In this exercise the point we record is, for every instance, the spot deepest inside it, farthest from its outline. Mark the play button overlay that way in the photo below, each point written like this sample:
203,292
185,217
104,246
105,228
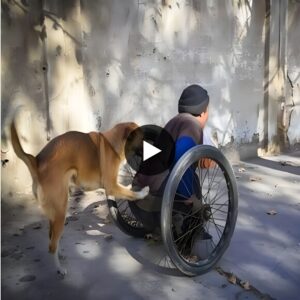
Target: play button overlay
149,150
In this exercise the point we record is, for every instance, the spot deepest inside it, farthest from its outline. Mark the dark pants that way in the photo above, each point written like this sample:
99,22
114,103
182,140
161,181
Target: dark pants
188,186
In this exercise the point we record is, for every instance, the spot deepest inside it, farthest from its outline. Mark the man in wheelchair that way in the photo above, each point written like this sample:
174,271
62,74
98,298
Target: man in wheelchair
186,129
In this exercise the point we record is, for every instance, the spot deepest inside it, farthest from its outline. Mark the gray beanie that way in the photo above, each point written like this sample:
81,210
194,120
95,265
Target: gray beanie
194,100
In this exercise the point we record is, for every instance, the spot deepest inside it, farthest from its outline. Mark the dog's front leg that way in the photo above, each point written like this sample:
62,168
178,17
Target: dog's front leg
123,192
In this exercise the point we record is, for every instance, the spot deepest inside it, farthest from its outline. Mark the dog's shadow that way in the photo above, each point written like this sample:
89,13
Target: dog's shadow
88,241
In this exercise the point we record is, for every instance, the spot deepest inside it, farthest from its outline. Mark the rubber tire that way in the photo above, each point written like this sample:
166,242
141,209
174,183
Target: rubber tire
179,169
122,224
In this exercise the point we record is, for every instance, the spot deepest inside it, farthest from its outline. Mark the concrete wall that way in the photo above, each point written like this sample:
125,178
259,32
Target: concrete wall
86,65
293,70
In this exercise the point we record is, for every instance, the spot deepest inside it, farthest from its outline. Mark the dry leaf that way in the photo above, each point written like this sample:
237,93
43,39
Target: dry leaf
289,163
272,212
108,237
241,170
232,279
255,178
245,285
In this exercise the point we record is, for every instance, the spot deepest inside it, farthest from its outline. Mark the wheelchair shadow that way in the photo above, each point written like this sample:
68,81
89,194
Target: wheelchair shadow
153,256
149,253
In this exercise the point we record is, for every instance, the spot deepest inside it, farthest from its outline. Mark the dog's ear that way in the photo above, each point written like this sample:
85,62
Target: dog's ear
128,129
126,132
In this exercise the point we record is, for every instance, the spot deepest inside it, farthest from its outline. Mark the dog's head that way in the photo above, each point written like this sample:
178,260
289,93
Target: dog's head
128,128
124,135
133,136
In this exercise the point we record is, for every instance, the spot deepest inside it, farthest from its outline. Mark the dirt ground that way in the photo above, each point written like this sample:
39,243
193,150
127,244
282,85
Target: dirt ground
262,262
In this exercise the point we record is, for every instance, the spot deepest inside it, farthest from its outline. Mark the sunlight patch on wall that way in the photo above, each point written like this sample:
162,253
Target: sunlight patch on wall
170,24
114,76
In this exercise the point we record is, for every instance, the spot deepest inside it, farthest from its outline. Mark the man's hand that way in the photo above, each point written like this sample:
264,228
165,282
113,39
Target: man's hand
207,163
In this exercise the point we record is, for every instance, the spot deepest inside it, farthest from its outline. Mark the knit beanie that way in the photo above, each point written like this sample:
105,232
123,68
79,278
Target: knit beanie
194,100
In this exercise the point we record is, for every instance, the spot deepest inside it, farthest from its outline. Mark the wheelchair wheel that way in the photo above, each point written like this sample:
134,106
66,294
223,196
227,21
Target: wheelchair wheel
121,210
198,217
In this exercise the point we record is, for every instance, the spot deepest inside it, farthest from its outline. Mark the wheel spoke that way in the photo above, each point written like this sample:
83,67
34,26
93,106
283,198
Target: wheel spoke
189,231
219,210
187,189
180,195
213,176
217,184
219,232
218,219
202,180
218,225
216,198
219,206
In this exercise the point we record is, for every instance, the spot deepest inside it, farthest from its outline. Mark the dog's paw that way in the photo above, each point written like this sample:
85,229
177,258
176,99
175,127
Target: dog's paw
144,192
62,272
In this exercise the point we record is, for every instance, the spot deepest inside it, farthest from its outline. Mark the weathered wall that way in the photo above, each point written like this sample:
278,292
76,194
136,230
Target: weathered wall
293,71
86,65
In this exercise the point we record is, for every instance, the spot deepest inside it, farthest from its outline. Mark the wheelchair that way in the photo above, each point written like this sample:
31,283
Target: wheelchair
196,229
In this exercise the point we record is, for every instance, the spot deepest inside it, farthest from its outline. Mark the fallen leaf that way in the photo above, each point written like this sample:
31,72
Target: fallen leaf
37,226
255,178
27,278
108,237
245,285
72,218
232,279
241,170
289,163
193,258
272,212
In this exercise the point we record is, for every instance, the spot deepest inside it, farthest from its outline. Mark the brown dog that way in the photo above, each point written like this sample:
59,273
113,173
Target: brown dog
89,160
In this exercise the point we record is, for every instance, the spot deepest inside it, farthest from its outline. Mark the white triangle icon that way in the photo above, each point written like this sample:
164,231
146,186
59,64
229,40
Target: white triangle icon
149,150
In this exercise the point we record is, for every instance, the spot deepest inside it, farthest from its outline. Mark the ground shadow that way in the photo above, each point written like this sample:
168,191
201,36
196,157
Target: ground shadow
288,165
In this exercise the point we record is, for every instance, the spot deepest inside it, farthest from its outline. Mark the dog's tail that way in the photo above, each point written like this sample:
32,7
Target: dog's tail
28,159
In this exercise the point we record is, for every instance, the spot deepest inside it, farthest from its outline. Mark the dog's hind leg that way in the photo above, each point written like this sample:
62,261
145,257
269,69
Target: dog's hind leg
56,232
57,221
50,228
